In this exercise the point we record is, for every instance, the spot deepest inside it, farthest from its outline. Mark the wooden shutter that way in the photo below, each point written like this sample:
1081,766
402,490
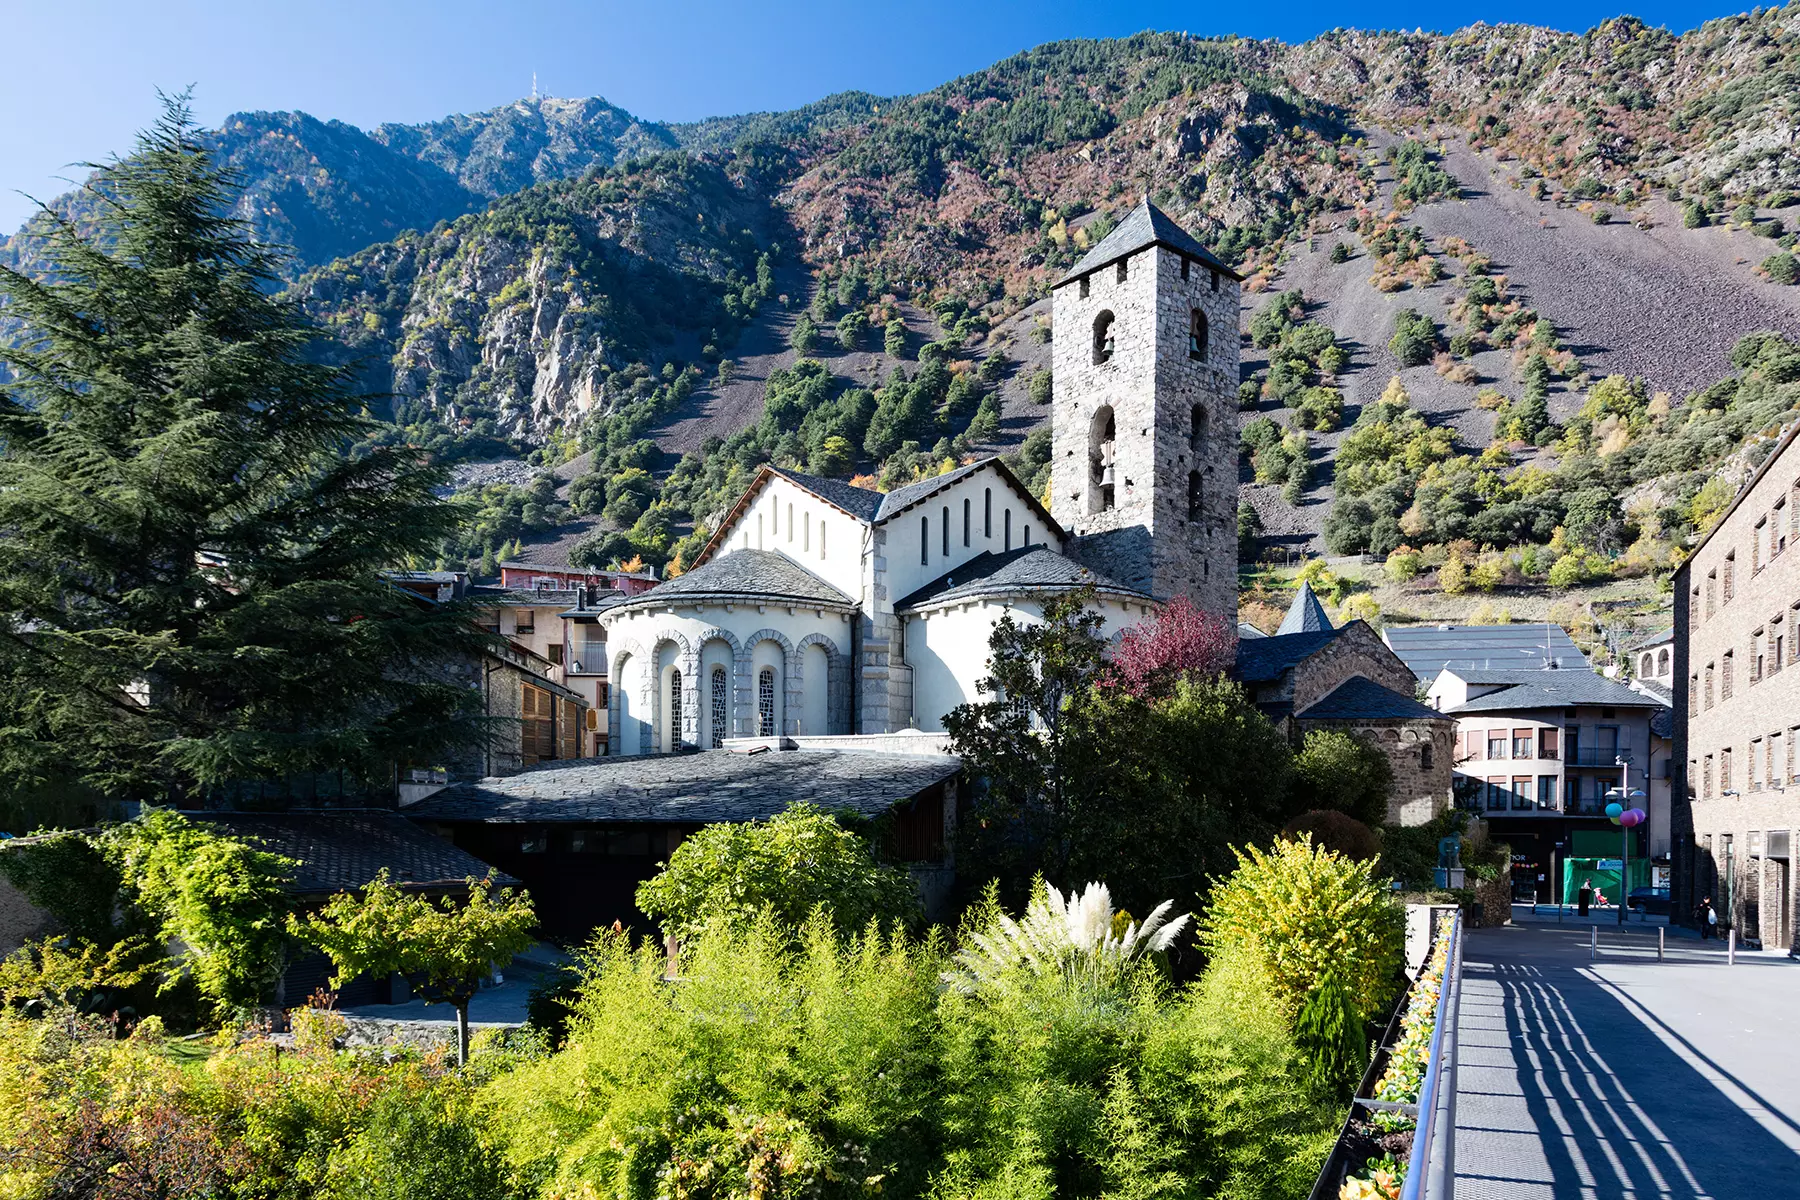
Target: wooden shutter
569,730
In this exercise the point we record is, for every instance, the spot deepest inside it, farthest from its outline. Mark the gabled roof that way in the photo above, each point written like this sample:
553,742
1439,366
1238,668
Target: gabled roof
1552,689
692,789
1428,649
1305,614
1363,699
343,849
860,503
874,507
1247,630
1027,569
1145,225
764,576
1260,660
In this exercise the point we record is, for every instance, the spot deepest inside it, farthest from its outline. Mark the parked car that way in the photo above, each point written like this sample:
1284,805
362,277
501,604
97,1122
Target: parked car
1650,900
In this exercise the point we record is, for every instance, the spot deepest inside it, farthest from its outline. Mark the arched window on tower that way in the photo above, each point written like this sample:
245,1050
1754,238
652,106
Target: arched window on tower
1197,336
1197,428
1103,337
1196,496
675,710
720,715
1100,461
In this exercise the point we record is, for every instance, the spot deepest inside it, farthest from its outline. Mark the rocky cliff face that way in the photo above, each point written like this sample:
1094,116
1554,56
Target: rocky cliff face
528,313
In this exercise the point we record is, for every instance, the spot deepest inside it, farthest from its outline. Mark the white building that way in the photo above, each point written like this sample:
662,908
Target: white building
822,608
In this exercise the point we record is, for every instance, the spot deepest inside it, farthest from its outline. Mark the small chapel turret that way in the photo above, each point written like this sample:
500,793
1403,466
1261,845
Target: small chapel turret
1143,422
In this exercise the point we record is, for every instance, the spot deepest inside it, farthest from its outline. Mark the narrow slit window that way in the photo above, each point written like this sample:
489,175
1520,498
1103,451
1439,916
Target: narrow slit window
1006,522
1197,335
924,540
987,513
945,532
719,712
966,508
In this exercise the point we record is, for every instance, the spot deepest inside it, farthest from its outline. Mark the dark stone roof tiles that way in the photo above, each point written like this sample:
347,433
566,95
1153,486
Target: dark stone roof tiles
860,503
1261,660
1557,689
1359,699
1145,225
692,789
763,574
343,849
1428,649
1305,614
1027,569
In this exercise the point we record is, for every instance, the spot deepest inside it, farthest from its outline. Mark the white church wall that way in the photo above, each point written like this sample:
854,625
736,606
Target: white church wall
906,573
792,521
743,639
948,649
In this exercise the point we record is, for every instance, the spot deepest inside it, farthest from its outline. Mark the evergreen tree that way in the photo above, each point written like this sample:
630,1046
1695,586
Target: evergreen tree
191,577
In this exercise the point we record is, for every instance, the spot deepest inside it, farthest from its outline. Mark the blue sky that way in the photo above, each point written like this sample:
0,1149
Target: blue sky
78,78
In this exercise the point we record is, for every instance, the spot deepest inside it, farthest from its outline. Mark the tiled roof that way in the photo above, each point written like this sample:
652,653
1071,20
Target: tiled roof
903,498
485,595
1556,689
1260,660
1363,699
860,503
1027,569
343,849
764,575
1428,649
1247,630
1146,225
1305,614
692,789
1661,637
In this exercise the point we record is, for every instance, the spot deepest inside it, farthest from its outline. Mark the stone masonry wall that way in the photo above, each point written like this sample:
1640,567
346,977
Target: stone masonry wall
1358,650
1421,778
1146,540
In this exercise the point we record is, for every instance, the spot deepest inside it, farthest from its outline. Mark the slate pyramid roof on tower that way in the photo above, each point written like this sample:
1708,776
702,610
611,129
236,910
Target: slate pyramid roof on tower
1146,225
1305,614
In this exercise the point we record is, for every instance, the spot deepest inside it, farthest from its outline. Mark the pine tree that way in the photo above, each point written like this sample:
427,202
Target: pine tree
191,573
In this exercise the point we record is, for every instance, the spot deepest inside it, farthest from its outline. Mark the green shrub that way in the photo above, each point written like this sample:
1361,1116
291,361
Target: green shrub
1042,386
1340,253
852,327
1415,338
1693,215
894,341
1341,771
805,337
1329,1036
1782,268
793,863
1306,913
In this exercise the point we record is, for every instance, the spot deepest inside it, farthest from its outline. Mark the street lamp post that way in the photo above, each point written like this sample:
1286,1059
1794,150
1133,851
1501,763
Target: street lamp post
1627,818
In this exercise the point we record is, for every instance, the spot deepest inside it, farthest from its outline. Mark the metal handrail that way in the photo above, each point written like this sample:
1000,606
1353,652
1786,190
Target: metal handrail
1427,1130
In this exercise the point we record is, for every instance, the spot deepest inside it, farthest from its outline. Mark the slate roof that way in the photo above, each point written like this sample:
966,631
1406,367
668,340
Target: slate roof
1358,699
1260,660
903,498
860,503
1305,614
762,575
343,849
1554,689
692,789
1247,630
1146,225
1026,569
485,597
1428,649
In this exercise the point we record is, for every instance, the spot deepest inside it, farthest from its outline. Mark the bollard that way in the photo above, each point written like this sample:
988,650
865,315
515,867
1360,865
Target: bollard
1593,943
1660,931
1731,948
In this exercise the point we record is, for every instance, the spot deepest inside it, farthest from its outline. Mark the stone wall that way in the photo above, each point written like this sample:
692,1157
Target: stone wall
1419,753
1357,650
1171,415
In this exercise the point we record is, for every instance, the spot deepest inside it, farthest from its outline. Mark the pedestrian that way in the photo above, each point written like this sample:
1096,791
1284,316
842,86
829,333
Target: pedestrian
1709,920
1585,896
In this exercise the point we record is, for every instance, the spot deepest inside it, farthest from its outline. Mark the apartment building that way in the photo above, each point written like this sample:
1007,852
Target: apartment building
1737,697
1537,753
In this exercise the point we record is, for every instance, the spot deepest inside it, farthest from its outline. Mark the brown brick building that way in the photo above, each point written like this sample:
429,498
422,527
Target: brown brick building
1737,701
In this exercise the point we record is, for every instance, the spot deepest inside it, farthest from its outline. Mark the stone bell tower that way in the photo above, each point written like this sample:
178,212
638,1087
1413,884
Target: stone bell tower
1144,419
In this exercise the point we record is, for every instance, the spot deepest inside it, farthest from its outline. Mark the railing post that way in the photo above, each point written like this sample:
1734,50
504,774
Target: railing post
1593,942
1731,947
1661,930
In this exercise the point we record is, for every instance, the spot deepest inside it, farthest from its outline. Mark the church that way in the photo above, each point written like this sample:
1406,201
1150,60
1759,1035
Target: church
819,608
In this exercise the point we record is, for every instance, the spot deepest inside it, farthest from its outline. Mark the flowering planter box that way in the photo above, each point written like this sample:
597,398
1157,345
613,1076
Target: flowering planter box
1381,1137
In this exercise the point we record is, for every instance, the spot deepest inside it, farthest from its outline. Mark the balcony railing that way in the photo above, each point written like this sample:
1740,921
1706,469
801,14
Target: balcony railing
1597,756
589,664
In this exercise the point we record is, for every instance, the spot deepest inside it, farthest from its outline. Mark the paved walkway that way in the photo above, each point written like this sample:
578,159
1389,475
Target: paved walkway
1624,1076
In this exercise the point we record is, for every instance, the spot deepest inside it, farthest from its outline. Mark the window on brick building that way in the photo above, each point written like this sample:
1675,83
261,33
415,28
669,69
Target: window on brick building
1752,781
1694,691
1756,657
1725,769
1710,669
1756,544
1425,756
1712,593
720,717
1727,585
1496,745
1706,776
1725,674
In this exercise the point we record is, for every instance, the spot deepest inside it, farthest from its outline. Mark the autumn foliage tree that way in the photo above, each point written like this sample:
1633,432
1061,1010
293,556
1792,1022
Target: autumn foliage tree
1179,640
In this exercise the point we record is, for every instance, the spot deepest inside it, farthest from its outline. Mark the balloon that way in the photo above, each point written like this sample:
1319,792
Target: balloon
1613,810
1629,818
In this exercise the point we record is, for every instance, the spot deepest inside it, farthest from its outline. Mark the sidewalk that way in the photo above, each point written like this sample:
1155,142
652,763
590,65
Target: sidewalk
1624,1076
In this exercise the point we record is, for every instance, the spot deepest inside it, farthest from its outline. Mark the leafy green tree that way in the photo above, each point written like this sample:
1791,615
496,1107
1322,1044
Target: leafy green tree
1341,771
852,327
895,339
791,865
805,338
449,945
191,581
1415,338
